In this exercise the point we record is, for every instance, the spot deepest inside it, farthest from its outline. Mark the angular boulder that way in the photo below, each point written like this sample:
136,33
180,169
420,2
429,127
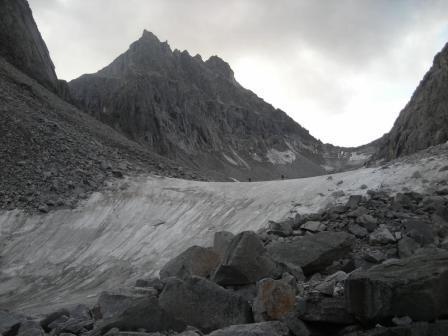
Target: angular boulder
30,328
196,260
416,287
273,328
314,252
245,262
9,322
203,304
113,303
275,299
322,309
146,314
283,229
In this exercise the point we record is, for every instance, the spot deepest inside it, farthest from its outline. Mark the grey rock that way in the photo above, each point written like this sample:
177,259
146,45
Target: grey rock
314,252
30,328
143,314
221,242
203,304
323,309
381,236
374,256
396,288
245,262
357,230
421,231
353,201
274,328
313,226
407,247
155,283
195,260
295,325
113,303
282,229
368,222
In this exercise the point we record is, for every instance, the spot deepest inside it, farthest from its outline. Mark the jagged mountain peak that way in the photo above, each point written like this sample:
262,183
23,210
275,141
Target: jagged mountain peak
218,65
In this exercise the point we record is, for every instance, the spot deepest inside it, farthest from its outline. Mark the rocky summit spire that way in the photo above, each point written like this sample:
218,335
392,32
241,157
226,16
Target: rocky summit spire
219,66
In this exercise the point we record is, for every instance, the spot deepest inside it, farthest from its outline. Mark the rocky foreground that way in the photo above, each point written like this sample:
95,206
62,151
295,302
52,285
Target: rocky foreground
377,265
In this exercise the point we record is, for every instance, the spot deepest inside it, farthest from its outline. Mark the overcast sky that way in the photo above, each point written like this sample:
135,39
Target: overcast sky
341,68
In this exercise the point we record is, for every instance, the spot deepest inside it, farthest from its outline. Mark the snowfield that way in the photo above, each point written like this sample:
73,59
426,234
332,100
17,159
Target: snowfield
134,226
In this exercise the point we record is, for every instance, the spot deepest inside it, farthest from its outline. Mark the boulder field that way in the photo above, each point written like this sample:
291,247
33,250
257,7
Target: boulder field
377,265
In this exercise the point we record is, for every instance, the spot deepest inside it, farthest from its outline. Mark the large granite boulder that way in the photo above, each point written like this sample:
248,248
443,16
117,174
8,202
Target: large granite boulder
314,252
322,309
203,304
113,303
144,314
416,287
196,260
275,299
245,262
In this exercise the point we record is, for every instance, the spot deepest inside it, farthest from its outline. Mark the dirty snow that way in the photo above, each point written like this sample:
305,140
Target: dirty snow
137,224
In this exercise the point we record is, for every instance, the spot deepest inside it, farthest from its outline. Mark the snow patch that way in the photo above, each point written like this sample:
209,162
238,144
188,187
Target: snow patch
357,157
229,159
279,157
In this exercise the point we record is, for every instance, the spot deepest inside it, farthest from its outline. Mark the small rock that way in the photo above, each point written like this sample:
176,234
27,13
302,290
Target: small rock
314,226
367,221
283,229
401,321
357,230
381,236
374,256
353,201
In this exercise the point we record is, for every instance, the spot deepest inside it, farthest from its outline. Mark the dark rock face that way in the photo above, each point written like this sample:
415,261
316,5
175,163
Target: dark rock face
325,310
22,46
424,120
314,252
195,260
245,262
416,287
195,112
203,304
145,314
